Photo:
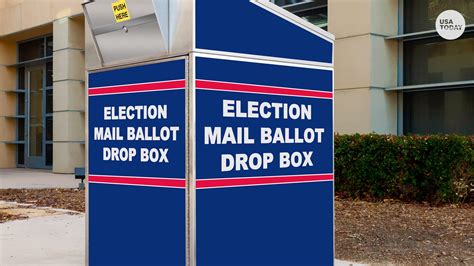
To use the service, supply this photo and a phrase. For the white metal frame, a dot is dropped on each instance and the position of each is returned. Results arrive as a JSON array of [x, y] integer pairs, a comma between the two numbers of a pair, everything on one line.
[[191, 242]]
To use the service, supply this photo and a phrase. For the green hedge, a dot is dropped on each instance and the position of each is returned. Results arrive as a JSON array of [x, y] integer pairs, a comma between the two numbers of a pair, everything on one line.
[[438, 169]]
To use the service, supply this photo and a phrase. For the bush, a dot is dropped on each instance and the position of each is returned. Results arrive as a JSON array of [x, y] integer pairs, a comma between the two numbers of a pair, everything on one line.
[[438, 169]]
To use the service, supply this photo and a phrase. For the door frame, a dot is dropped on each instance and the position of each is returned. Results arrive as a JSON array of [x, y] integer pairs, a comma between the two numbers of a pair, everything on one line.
[[38, 162]]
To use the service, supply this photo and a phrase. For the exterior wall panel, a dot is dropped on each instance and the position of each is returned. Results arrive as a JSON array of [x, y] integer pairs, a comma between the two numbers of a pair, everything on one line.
[[365, 64], [351, 108], [7, 104], [69, 102], [25, 14]]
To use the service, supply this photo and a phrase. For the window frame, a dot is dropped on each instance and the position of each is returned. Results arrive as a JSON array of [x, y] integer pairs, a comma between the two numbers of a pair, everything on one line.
[[25, 64], [401, 88], [443, 90], [431, 31]]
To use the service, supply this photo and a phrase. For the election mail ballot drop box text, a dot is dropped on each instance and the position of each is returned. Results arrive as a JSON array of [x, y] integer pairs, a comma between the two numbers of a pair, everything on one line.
[[210, 134]]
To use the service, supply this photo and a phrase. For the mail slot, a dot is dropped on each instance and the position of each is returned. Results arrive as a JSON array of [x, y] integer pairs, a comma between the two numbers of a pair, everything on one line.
[[144, 33]]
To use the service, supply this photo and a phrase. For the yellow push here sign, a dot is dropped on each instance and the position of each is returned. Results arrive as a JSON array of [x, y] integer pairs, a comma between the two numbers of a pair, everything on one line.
[[120, 9]]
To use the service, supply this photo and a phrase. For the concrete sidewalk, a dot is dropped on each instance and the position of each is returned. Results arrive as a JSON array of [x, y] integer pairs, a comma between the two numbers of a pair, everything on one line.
[[50, 240], [33, 178]]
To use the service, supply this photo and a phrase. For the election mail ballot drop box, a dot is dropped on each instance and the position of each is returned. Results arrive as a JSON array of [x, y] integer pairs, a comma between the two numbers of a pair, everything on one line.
[[210, 134]]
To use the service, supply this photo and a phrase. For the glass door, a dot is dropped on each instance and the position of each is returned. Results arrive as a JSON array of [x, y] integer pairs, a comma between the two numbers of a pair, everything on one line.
[[35, 117]]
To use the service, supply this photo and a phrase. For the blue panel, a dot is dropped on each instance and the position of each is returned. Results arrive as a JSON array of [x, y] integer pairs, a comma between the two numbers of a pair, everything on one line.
[[210, 104], [210, 155], [242, 27], [268, 225], [282, 224], [253, 73], [136, 225], [171, 70], [129, 222], [175, 100]]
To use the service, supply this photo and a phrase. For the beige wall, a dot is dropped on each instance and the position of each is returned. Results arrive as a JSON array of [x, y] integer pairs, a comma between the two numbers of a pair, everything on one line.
[[69, 95], [365, 64], [19, 15], [7, 104]]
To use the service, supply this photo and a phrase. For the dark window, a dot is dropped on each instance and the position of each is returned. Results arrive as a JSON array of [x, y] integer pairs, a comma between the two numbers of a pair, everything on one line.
[[49, 128], [31, 50], [314, 11], [21, 104], [289, 2], [21, 154], [49, 101], [49, 74], [439, 111], [49, 46], [434, 60], [420, 15], [49, 154], [317, 16], [21, 78], [21, 129]]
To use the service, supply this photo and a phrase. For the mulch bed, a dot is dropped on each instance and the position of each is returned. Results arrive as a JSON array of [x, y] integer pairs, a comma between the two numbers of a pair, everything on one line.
[[68, 199], [371, 232], [404, 233], [6, 217]]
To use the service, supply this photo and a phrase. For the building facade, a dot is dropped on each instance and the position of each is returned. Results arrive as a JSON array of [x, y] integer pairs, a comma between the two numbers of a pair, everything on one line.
[[42, 95], [393, 74]]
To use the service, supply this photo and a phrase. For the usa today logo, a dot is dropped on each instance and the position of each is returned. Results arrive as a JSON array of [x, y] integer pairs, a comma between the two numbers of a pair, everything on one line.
[[450, 24]]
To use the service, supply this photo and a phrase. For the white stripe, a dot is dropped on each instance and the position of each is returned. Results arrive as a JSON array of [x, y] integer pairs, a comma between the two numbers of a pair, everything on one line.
[[260, 59]]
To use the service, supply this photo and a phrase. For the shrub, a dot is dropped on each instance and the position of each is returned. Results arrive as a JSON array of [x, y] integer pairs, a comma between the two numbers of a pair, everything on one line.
[[438, 169]]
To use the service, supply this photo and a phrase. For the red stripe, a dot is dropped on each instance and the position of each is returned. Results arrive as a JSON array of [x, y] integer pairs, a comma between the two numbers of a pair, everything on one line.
[[210, 183], [144, 181], [154, 86], [214, 85], [251, 181]]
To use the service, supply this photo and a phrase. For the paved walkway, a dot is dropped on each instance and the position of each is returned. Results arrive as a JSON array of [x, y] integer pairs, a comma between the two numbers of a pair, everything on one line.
[[347, 263], [33, 178], [50, 240]]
